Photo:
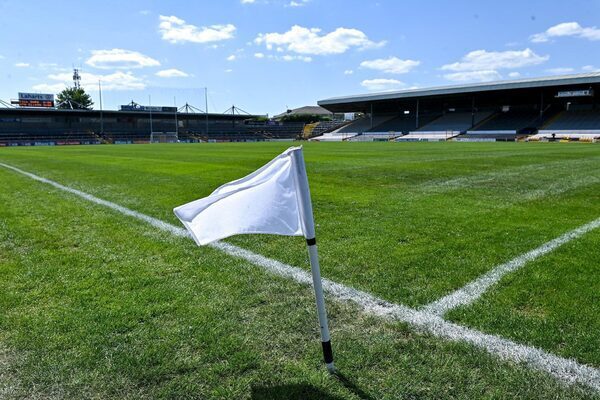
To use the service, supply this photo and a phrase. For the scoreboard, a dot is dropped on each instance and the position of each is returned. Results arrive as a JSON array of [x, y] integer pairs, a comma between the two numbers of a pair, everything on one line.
[[36, 103], [44, 100]]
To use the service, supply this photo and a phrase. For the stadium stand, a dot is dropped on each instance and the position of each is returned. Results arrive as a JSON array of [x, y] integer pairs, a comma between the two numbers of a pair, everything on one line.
[[363, 124], [567, 136], [503, 111], [510, 121], [48, 137], [455, 121], [360, 129], [399, 124], [571, 125], [444, 127], [322, 127], [431, 136], [271, 130], [54, 127], [556, 108], [333, 137], [487, 136], [374, 137], [576, 120]]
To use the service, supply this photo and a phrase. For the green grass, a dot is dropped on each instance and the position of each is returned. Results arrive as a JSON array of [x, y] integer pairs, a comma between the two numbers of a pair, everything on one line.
[[553, 303], [100, 305]]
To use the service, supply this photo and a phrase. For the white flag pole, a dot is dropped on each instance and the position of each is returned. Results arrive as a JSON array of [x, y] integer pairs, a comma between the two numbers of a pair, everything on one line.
[[305, 207]]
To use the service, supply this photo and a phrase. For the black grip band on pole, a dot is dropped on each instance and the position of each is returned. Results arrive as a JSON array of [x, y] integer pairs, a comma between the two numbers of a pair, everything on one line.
[[311, 242], [327, 352]]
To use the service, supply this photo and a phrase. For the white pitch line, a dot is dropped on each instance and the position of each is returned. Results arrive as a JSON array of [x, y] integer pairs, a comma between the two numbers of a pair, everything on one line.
[[475, 289], [565, 370]]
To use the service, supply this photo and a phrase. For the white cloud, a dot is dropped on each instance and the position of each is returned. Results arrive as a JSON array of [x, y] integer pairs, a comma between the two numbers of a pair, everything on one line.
[[382, 84], [49, 87], [567, 29], [120, 59], [391, 65], [22, 65], [514, 74], [172, 73], [303, 40], [298, 3], [228, 70], [482, 60], [483, 65], [348, 72], [175, 30], [560, 70], [590, 68], [288, 57], [44, 65], [231, 57], [247, 1], [478, 76], [118, 80], [144, 12]]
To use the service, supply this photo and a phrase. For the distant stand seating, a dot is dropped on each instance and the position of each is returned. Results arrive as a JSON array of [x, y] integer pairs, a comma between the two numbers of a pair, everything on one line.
[[455, 121], [374, 137], [579, 120], [487, 136], [326, 126], [276, 130], [431, 136], [511, 121], [48, 137], [333, 137], [31, 127], [398, 125], [566, 135], [364, 124], [571, 125]]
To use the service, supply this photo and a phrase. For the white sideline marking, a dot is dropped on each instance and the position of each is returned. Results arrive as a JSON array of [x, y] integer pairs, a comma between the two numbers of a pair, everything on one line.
[[475, 289], [566, 370]]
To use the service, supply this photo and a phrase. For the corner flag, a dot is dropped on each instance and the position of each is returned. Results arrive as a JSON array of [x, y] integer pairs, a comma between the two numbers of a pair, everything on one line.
[[274, 199]]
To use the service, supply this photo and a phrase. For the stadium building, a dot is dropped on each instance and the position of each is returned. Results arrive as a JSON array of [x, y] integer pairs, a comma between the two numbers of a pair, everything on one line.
[[546, 108], [27, 126]]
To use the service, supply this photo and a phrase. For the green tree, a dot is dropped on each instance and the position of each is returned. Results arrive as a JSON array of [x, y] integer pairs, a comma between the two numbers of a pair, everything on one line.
[[75, 98]]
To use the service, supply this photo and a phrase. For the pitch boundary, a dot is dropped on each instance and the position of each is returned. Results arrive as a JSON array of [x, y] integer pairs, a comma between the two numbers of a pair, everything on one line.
[[475, 289], [566, 370]]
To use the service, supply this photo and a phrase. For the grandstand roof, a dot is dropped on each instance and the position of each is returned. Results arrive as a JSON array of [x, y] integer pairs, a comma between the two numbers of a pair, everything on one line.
[[530, 83]]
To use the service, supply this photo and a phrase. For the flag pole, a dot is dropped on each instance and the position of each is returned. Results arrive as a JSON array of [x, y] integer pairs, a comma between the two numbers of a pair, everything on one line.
[[305, 206]]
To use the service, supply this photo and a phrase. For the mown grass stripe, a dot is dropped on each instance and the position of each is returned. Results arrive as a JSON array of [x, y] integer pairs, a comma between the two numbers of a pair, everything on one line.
[[568, 371], [475, 289]]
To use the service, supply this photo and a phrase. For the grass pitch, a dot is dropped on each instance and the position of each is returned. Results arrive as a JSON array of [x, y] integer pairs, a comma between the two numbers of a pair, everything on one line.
[[99, 305]]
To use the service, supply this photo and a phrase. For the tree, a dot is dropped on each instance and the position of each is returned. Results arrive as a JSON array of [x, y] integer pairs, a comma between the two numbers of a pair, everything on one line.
[[75, 98]]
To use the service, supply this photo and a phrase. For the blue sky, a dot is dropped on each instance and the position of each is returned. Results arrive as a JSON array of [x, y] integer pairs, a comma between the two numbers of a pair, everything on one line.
[[264, 55]]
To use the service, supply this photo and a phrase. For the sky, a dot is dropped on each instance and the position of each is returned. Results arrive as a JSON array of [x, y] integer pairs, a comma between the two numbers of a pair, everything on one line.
[[265, 56]]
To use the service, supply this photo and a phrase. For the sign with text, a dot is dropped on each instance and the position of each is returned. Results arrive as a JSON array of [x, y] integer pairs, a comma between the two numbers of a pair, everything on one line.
[[576, 93], [36, 100]]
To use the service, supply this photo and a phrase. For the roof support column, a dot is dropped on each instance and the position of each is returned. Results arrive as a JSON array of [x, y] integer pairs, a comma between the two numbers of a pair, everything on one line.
[[417, 116], [472, 111], [541, 107], [371, 116]]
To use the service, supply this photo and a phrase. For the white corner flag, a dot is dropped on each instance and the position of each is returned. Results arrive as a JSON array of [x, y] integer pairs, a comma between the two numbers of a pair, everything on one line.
[[274, 199]]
